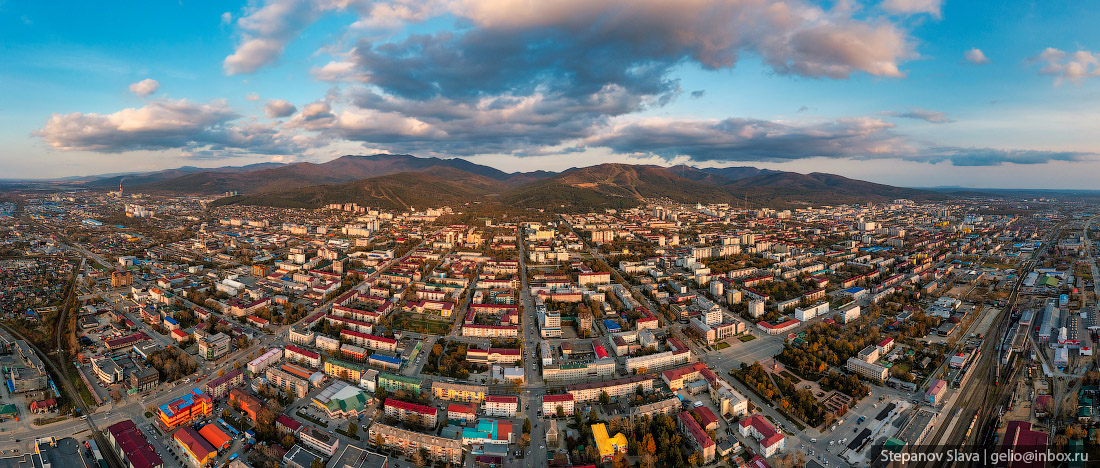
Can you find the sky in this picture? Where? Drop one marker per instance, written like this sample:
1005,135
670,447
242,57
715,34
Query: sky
917,93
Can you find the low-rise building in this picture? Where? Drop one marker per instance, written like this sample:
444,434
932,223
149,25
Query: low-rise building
213,346
551,403
504,406
667,407
395,382
318,441
697,436
867,370
771,440
615,388
303,356
219,386
194,447
608,445
259,365
469,393
130,445
290,378
248,404
342,400
460,412
409,443
411,413
185,409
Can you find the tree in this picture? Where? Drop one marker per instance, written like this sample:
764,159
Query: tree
592,453
317,463
288,440
649,445
619,461
379,441
526,425
353,429
560,411
605,398
422,457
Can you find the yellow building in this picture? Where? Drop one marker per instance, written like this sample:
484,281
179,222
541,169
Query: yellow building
343,369
459,392
608,445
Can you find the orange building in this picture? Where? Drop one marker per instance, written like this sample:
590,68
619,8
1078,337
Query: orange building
218,438
185,409
249,404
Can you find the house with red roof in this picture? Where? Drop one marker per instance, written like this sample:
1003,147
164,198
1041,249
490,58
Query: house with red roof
697,436
1021,438
287,425
885,345
460,412
405,411
44,406
501,405
706,418
131,446
770,439
197,450
550,404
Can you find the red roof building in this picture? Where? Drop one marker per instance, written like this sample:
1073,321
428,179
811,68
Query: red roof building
287,425
128,442
195,446
43,406
706,417
771,440
698,436
1020,438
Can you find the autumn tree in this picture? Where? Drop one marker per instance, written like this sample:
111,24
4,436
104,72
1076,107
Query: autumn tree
649,445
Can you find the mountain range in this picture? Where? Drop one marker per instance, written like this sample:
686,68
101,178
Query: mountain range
405,182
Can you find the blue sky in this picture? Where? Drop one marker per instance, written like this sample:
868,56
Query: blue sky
892,91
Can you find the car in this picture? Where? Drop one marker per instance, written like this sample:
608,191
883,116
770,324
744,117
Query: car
854,429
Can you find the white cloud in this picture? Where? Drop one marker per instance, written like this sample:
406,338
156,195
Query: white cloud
976,56
227,17
161,124
253,96
145,87
909,7
266,30
276,108
1065,66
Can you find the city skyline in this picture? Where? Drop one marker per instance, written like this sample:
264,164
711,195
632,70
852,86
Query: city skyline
915,93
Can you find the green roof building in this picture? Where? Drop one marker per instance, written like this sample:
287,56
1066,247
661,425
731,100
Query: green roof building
8,411
894,445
